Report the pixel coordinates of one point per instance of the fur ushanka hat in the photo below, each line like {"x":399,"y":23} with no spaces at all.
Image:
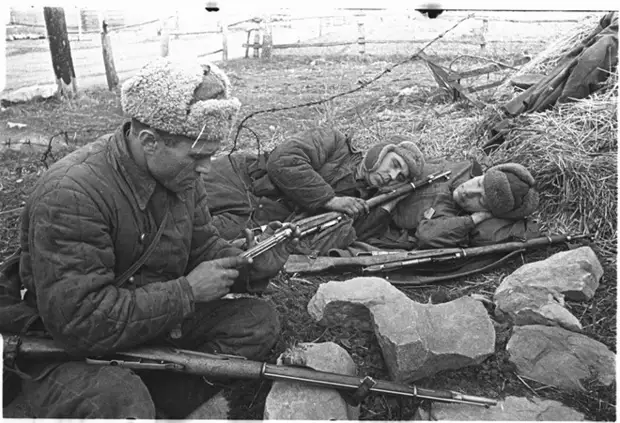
{"x":400,"y":145}
{"x":510,"y":191}
{"x":181,"y":98}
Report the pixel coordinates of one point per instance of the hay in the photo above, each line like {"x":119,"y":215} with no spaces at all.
{"x":572,"y":152}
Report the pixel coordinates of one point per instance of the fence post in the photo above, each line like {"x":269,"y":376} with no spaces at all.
{"x":256,"y":43}
{"x":267,"y":41}
{"x":361,"y":41}
{"x":247,"y":44}
{"x":483,"y":31}
{"x":62,"y":62}
{"x":79,"y":22}
{"x":164,"y":44}
{"x":224,"y":29}
{"x":108,"y":58}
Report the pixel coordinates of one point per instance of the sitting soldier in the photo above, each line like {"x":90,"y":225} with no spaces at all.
{"x":314,"y":171}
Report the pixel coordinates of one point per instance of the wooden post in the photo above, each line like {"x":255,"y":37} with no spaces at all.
{"x":164,"y":43}
{"x":224,"y":29}
{"x":361,"y":40}
{"x":56,"y":25}
{"x":247,"y":44}
{"x":79,"y":22}
{"x":256,"y":43}
{"x":483,"y":32}
{"x":267,"y":41}
{"x":108,"y":58}
{"x":320,"y":27}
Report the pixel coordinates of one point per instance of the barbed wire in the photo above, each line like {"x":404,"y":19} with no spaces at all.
{"x":363,"y":84}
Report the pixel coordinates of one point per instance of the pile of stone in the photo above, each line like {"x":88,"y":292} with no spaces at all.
{"x":419,"y":340}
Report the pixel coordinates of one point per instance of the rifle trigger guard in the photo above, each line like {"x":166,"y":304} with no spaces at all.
{"x":361,"y":392}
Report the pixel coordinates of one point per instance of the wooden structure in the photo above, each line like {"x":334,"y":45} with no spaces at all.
{"x":62,"y":62}
{"x":108,"y":58}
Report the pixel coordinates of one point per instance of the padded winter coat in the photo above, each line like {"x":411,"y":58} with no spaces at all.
{"x":89,"y":218}
{"x":299,"y":175}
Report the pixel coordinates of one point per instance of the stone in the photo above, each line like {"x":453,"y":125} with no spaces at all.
{"x":532,"y":305}
{"x":561,"y":358}
{"x":216,"y":408}
{"x":301,"y":401}
{"x":25,"y":94}
{"x":417,"y":340}
{"x":510,"y":409}
{"x":574,"y":273}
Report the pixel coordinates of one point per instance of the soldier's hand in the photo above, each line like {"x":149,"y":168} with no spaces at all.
{"x":350,"y":206}
{"x":212,"y":279}
{"x":480,"y":216}
{"x":269,"y":263}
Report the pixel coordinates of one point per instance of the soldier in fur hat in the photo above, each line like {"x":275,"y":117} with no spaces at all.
{"x":119,"y":250}
{"x":472,"y":208}
{"x":313,"y":171}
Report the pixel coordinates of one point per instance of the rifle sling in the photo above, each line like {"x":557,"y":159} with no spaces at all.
{"x":423,"y":280}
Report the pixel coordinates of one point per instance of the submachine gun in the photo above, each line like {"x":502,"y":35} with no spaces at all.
{"x":229,"y":367}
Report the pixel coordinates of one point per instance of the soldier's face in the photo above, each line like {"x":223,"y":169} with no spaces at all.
{"x":470,"y":195}
{"x":392,"y":169}
{"x":177,"y":162}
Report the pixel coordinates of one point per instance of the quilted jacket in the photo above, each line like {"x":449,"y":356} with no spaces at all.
{"x":89,"y":218}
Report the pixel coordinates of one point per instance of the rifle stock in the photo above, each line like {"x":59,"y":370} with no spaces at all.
{"x":226,"y":366}
{"x":298,"y":263}
{"x":394,"y":261}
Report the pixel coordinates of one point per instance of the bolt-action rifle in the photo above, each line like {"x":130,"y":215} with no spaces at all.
{"x":390,"y":261}
{"x":318,"y":223}
{"x":230,"y":367}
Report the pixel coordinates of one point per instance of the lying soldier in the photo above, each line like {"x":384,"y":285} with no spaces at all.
{"x":314,"y":171}
{"x":472,"y":208}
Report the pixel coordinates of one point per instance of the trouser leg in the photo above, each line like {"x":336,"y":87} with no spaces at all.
{"x":248,"y":327}
{"x":80,"y":390}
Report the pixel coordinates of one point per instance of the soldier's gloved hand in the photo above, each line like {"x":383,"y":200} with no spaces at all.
{"x":351,"y":206}
{"x":269,"y":263}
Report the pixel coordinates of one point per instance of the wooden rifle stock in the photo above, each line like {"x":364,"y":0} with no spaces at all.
{"x":399,"y":260}
{"x":227,"y":366}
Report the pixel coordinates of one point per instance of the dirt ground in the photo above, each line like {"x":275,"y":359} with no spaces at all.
{"x":372,"y":112}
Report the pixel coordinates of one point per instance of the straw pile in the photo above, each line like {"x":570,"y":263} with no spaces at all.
{"x":572,"y":152}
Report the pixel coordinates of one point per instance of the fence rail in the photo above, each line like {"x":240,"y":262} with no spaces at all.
{"x":264,"y":42}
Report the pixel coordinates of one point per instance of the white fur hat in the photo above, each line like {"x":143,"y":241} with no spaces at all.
{"x":180,"y":98}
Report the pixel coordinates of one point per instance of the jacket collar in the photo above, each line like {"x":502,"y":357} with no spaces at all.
{"x":142,"y":184}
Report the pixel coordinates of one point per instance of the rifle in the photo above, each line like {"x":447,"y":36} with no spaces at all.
{"x":318,"y":223}
{"x":229,"y":366}
{"x":390,"y":261}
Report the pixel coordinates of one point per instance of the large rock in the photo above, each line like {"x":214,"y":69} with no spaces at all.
{"x":558,"y":357}
{"x":417,"y":340}
{"x":25,"y":94}
{"x":300,"y":401}
{"x":574,"y":273}
{"x":510,"y":409}
{"x":534,"y":305}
